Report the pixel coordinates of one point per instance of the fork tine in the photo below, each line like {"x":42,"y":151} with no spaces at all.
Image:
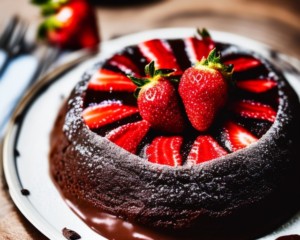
{"x":16,"y":41}
{"x":46,"y":55}
{"x":8,"y":31}
{"x":53,"y":53}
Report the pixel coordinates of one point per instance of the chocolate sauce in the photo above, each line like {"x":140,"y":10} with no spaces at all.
{"x":110,"y":226}
{"x":289,"y":237}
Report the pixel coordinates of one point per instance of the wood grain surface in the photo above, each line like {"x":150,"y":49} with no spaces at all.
{"x":274,"y":22}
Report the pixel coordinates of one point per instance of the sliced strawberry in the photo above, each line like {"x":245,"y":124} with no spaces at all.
{"x":256,"y":86}
{"x":129,"y":136}
{"x":198,"y":49}
{"x":100,"y":115}
{"x":251,"y":109}
{"x":237,"y":136}
{"x":165,"y":150}
{"x":160,"y":52}
{"x":243,"y":63}
{"x":106,"y":80}
{"x":205,"y":148}
{"x":124,"y":64}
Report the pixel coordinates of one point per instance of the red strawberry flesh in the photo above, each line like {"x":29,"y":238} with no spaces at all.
{"x":197,"y":49}
{"x":74,"y":15}
{"x":237,"y":136}
{"x":204,"y":90}
{"x":165,"y":151}
{"x":124,"y":64}
{"x":100,"y":115}
{"x":158,"y":101}
{"x":158,"y":104}
{"x":243,"y":63}
{"x":253,"y":110}
{"x":129,"y":136}
{"x":203,"y":94}
{"x":106,"y":80}
{"x":205,"y":148}
{"x":160,"y":52}
{"x":256,"y":86}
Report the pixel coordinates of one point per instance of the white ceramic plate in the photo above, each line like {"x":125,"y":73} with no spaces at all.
{"x":44,"y":207}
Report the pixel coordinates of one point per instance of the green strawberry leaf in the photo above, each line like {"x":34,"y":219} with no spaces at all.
{"x":152,"y":74}
{"x":139,"y":82}
{"x":48,"y":10}
{"x":213,"y":61}
{"x":49,"y":7}
{"x":136,"y":92}
{"x":213,"y":58}
{"x":204,"y":33}
{"x":163,"y":72}
{"x":42,"y":31}
{"x":50,"y":24}
{"x":150,"y":69}
{"x":40,"y":2}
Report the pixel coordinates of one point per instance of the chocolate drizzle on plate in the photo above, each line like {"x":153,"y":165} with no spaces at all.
{"x":289,"y":237}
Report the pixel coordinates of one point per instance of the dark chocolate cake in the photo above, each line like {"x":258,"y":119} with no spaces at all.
{"x":235,"y":179}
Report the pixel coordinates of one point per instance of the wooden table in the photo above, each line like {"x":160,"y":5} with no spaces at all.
{"x":274,"y":22}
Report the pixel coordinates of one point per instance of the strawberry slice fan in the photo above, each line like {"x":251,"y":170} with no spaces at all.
{"x":178,"y":103}
{"x":63,"y":19}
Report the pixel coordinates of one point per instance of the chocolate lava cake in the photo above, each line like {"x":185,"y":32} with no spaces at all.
{"x":141,"y":140}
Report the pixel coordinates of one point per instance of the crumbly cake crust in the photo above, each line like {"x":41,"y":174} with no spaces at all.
{"x":237,"y":192}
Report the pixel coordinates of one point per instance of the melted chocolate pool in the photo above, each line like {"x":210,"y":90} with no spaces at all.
{"x":110,"y":226}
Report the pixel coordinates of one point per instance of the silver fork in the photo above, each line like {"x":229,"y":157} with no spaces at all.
{"x":21,"y":67}
{"x":11,"y":41}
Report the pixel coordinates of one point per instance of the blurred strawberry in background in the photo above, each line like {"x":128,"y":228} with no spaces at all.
{"x":70,"y":23}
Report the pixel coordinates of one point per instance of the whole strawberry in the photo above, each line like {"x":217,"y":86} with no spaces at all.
{"x":70,"y":23}
{"x":204,"y":90}
{"x":158,"y":101}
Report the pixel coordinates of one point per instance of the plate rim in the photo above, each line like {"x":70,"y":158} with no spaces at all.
{"x":9,"y":165}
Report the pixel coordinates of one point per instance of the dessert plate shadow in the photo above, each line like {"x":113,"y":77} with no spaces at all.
{"x":26,"y":144}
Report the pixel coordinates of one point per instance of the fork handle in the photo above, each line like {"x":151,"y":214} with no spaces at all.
{"x":14,"y":83}
{"x":3,"y":58}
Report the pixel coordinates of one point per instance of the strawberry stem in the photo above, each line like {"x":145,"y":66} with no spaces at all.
{"x":152,"y":75}
{"x":213,"y":61}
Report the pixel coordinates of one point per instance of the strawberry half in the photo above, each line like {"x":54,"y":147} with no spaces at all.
{"x":62,"y":28}
{"x":237,"y":136}
{"x":204,"y":90}
{"x":198,"y":49}
{"x":243,"y":63}
{"x":160,"y":52}
{"x":124,"y":64}
{"x":157,"y":100}
{"x":205,"y":148}
{"x":251,"y":109}
{"x":256,"y":86}
{"x":129,"y":136}
{"x":165,"y":151}
{"x":103,"y":114}
{"x":106,"y":80}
